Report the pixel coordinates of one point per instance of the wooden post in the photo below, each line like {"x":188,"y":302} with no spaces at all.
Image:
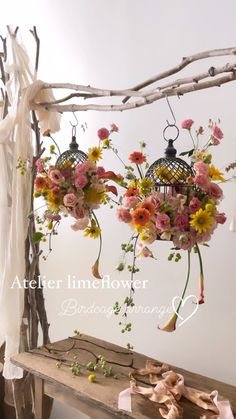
{"x":39,"y":388}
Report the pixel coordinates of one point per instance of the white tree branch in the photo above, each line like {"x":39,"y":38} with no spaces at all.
{"x":214,"y":76}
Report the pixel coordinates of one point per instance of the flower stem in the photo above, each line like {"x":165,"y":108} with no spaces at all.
{"x":140,"y":173}
{"x":186,"y":283}
{"x":100,"y":236}
{"x":201,"y":299}
{"x":59,"y":151}
{"x":117,"y":155}
{"x":194,"y":146}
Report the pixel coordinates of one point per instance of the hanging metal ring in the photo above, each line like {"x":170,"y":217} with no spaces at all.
{"x":170,"y":126}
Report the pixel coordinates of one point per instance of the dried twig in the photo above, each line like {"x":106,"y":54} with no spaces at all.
{"x":100,"y":346}
{"x":37,"y":40}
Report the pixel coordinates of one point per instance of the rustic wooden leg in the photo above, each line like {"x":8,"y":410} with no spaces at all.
{"x":39,"y":390}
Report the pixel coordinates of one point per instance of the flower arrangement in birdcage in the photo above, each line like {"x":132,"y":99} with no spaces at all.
{"x":75,"y":189}
{"x":185,"y":212}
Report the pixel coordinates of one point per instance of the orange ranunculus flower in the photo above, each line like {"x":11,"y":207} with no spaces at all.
{"x":40,"y":183}
{"x":137,"y":157}
{"x":141,"y":216}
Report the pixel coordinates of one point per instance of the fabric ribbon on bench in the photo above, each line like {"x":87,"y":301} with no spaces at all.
{"x":168,"y":390}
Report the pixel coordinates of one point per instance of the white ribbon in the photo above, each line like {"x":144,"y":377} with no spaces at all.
{"x":16,"y":141}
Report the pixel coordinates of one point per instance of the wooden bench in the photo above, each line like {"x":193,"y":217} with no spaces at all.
{"x":99,"y":399}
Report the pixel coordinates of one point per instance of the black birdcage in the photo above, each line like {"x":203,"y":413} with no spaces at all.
{"x":70,"y":158}
{"x":170,"y":173}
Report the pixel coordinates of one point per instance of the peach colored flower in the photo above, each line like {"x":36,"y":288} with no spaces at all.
{"x":80,"y":224}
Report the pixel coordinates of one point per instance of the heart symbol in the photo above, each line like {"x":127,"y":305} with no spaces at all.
{"x":183,"y":302}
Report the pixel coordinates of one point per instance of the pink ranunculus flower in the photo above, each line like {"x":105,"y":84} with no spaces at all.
{"x":124,"y":215}
{"x":194,"y":204}
{"x":204,"y":237}
{"x":163,"y":222}
{"x":221,"y":218}
{"x":201,"y":180}
{"x":201,"y":168}
{"x":55,"y":176}
{"x":181,"y":221}
{"x":114,"y":128}
{"x":214,"y":191}
{"x":87,"y":166}
{"x":187,"y":123}
{"x":156,"y":201}
{"x":70,"y":200}
{"x":217,"y":133}
{"x":56,"y":217}
{"x":214,"y":140}
{"x":39,"y":165}
{"x":78,"y":212}
{"x":184,"y":240}
{"x":80,"y":181}
{"x":103,"y":133}
{"x":129,"y":201}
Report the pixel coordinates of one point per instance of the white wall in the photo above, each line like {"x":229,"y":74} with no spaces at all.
{"x":116,"y":44}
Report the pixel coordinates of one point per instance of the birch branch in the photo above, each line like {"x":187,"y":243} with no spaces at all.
{"x":145,"y":100}
{"x":214,"y":76}
{"x":185,"y":61}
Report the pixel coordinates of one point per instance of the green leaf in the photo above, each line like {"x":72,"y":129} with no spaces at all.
{"x":206,"y":245}
{"x":37,"y":236}
{"x":187,"y":153}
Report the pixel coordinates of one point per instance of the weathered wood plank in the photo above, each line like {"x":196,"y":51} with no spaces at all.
{"x":39,"y":392}
{"x":102,"y":396}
